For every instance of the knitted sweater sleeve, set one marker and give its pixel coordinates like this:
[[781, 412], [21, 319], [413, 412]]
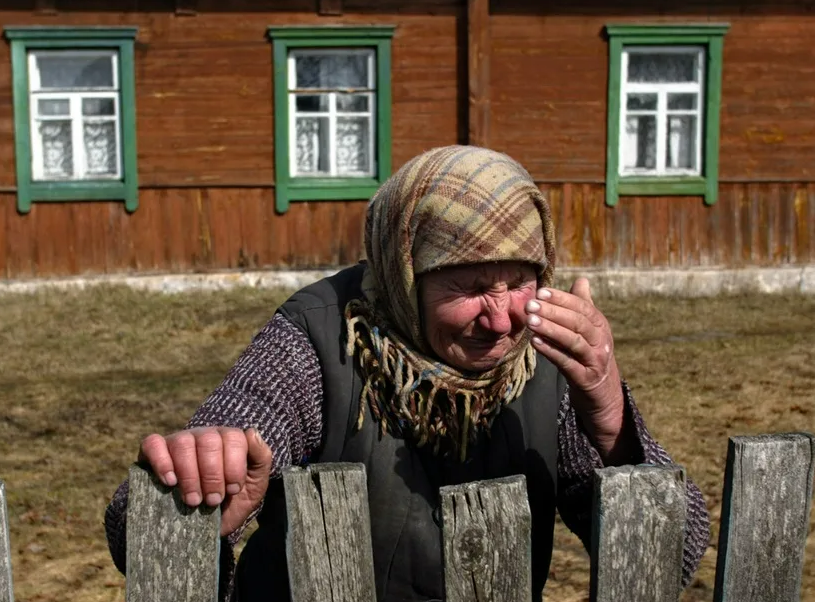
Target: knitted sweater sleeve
[[577, 459], [276, 387]]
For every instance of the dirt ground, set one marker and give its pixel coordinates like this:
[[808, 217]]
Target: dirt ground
[[85, 375]]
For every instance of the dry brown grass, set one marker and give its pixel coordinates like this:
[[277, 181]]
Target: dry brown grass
[[83, 376]]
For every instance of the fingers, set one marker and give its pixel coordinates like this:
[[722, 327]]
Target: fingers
[[235, 447], [563, 361], [154, 451], [206, 463], [258, 464], [572, 333], [209, 449], [588, 327], [182, 448], [573, 338], [582, 289], [578, 299], [259, 455]]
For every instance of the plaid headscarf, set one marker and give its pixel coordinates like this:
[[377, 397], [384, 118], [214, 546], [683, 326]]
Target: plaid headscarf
[[450, 206]]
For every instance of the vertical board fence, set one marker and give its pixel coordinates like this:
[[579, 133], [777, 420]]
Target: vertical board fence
[[637, 535], [487, 535], [638, 521], [329, 534], [765, 518], [6, 589]]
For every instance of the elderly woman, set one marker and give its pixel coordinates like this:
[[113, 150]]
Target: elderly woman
[[446, 357]]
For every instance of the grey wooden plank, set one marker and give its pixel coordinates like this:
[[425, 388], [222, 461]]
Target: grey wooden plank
[[172, 549], [765, 518], [6, 583], [638, 530], [328, 540], [486, 532]]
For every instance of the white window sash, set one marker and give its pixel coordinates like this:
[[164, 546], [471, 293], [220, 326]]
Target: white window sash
[[77, 120], [332, 114], [662, 113], [332, 132], [642, 88]]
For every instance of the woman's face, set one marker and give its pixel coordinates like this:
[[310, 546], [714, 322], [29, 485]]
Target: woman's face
[[473, 315]]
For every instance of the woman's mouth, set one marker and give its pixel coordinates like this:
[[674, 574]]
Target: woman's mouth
[[483, 344]]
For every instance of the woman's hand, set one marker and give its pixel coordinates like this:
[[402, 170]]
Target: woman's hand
[[214, 465], [575, 336]]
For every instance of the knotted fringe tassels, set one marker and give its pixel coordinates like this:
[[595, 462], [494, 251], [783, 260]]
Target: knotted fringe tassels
[[408, 392]]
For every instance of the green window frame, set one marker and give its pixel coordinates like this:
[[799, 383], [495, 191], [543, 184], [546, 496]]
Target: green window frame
[[290, 188], [711, 38], [24, 39]]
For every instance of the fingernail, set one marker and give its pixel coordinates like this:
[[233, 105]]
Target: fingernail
[[533, 320], [544, 293], [233, 489], [193, 499], [170, 479], [537, 340], [533, 306], [213, 499]]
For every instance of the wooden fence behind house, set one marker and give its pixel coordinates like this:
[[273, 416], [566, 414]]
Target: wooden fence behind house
[[637, 534]]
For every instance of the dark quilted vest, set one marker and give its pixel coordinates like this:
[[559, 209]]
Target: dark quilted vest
[[403, 480]]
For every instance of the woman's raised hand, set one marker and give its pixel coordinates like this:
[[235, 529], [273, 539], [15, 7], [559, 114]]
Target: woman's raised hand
[[576, 337]]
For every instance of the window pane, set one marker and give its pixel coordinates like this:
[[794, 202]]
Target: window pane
[[640, 144], [340, 70], [662, 67], [75, 71], [312, 103], [100, 148], [49, 107], [642, 102], [681, 145], [57, 154], [682, 102], [98, 107], [353, 139], [352, 103], [312, 145]]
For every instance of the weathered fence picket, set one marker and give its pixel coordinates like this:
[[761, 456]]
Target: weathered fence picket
[[638, 530], [172, 549], [329, 534], [765, 518], [6, 586], [638, 534], [487, 536]]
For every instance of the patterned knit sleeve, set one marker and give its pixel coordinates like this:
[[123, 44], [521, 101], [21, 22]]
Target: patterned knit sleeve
[[276, 387], [577, 459]]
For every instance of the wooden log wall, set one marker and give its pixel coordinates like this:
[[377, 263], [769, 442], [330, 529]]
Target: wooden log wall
[[207, 229], [205, 140], [550, 78], [205, 137]]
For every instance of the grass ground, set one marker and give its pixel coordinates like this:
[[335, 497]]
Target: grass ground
[[85, 375]]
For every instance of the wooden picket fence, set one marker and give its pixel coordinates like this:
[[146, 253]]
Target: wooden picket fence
[[637, 535]]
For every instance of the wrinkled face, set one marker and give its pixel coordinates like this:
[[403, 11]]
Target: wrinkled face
[[473, 315]]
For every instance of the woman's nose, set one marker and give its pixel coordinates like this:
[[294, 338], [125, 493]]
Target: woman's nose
[[495, 316]]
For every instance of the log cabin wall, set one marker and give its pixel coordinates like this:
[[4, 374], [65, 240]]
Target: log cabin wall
[[205, 141], [206, 155], [549, 109]]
